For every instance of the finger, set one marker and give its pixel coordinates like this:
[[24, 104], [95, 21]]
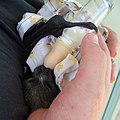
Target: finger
[[112, 73], [93, 61], [112, 42], [108, 60], [104, 47]]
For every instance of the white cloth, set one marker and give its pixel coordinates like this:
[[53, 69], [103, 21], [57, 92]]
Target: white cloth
[[66, 70], [67, 8], [42, 48], [28, 20]]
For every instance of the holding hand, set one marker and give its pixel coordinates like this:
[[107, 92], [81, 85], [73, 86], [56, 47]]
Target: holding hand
[[112, 43], [86, 95]]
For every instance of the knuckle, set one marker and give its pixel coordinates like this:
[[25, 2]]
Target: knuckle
[[98, 52]]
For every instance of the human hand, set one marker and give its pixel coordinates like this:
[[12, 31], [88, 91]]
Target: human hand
[[99, 65], [112, 43], [84, 97]]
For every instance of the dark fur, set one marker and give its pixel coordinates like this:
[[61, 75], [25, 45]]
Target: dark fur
[[40, 90]]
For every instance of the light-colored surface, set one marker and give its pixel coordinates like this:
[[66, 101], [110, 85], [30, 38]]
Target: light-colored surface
[[113, 107], [113, 19], [118, 116]]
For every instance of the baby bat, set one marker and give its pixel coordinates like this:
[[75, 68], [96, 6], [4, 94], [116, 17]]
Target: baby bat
[[40, 89]]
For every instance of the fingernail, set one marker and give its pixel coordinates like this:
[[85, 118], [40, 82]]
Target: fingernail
[[115, 56], [113, 80], [93, 38]]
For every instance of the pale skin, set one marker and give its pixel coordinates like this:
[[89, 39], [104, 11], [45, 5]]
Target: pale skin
[[84, 98]]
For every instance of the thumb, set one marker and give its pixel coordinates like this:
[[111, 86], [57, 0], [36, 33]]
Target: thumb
[[93, 59], [92, 51], [89, 44]]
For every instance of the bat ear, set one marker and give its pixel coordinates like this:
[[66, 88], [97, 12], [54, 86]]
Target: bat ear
[[38, 70], [44, 74]]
